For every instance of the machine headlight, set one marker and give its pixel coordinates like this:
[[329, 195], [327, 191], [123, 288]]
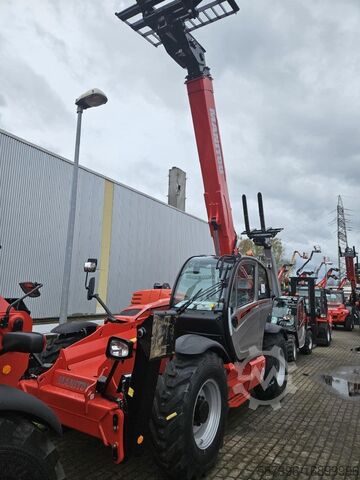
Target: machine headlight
[[119, 348]]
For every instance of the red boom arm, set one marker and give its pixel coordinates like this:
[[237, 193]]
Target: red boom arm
[[202, 104]]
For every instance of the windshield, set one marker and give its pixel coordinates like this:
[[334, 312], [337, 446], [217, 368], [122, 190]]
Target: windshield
[[282, 311], [199, 273], [334, 298]]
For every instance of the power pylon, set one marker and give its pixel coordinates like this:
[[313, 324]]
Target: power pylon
[[341, 235]]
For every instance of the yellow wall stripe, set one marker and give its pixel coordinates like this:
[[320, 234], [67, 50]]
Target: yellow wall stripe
[[105, 242]]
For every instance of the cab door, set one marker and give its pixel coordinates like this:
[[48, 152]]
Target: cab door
[[249, 306]]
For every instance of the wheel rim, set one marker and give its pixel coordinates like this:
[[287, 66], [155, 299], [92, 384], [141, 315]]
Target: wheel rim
[[310, 342], [294, 351], [206, 414]]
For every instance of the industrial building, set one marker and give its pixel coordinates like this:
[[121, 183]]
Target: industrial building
[[137, 239]]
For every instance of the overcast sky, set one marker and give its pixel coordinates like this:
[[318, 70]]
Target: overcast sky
[[287, 85]]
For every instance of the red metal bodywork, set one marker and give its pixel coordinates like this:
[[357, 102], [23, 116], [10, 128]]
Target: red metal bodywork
[[69, 386], [207, 133], [338, 314], [13, 364]]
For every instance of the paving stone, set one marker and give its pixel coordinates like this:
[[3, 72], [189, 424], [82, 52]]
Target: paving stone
[[315, 434]]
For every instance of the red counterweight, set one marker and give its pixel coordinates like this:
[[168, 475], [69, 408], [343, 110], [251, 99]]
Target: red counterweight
[[203, 110]]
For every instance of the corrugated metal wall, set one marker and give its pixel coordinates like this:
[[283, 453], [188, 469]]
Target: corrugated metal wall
[[148, 239]]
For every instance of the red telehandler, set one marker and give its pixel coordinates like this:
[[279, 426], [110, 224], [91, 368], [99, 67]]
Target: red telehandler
[[177, 363], [345, 312]]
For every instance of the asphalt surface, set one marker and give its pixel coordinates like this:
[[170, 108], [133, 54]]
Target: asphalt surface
[[314, 434]]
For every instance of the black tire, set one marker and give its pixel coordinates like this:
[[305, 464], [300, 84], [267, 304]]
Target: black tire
[[326, 340], [291, 349], [52, 351], [275, 377], [180, 413], [349, 323], [26, 453], [309, 343]]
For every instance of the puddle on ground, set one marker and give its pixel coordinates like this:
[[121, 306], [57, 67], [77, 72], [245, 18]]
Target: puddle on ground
[[344, 381]]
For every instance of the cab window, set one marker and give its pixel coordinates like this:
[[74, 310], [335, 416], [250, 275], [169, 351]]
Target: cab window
[[243, 288]]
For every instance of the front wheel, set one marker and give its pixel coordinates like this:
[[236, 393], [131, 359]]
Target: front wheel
[[291, 349], [26, 453], [189, 415], [349, 323]]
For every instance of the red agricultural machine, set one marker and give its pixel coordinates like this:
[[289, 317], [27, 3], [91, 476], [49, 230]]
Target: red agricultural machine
[[170, 365], [319, 318], [341, 315], [345, 311]]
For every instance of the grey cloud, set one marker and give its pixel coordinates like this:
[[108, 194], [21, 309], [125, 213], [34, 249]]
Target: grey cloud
[[39, 102], [57, 45], [286, 83]]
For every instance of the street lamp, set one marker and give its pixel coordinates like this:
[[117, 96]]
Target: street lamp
[[92, 98]]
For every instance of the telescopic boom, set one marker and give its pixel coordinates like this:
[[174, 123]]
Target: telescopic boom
[[170, 25]]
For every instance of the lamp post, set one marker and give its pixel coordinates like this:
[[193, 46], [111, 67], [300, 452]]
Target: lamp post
[[92, 98]]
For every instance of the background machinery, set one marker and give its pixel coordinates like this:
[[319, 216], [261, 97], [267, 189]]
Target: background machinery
[[299, 271], [177, 363], [285, 270], [319, 319], [290, 313]]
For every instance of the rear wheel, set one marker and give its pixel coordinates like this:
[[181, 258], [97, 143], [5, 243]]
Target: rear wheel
[[26, 453], [308, 346], [324, 337], [189, 415], [275, 376], [291, 349]]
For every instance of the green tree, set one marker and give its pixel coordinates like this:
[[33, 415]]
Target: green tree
[[247, 245]]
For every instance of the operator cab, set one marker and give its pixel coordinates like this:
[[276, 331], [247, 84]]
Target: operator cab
[[335, 298], [226, 299], [320, 300], [284, 311]]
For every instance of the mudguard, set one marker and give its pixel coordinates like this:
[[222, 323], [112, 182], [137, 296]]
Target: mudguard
[[271, 328], [74, 327], [13, 400], [191, 344]]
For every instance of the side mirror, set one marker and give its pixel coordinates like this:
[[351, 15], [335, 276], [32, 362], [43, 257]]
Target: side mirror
[[90, 265], [31, 289], [91, 288]]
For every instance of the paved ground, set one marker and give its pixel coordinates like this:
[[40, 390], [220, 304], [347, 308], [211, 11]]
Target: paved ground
[[315, 434]]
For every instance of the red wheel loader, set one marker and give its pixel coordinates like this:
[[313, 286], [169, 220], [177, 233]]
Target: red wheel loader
[[169, 367]]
